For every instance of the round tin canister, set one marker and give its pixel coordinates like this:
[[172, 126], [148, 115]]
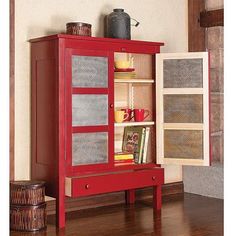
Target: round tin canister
[[79, 28], [27, 192], [28, 218]]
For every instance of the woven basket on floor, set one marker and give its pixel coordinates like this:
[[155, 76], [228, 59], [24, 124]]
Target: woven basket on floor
[[27, 206]]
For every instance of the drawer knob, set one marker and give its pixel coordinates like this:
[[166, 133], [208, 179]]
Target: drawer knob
[[87, 186], [111, 105], [123, 49], [153, 178]]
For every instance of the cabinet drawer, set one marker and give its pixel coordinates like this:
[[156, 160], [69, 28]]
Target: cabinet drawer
[[89, 185]]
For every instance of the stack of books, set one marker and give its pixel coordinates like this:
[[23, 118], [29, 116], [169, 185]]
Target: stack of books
[[136, 140], [124, 158], [128, 73]]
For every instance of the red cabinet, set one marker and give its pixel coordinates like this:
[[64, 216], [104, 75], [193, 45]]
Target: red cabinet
[[75, 91]]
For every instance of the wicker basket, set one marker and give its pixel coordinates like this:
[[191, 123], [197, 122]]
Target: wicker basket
[[27, 192], [28, 218], [27, 206]]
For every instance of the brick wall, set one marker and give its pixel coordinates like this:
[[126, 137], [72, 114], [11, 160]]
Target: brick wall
[[215, 45]]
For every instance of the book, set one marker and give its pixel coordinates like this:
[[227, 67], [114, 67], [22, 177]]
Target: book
[[140, 156], [132, 141], [145, 147], [123, 156], [129, 161], [124, 162]]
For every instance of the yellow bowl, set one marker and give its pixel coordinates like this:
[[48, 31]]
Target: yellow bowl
[[122, 64]]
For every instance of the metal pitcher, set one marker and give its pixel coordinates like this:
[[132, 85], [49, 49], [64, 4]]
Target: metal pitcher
[[119, 24]]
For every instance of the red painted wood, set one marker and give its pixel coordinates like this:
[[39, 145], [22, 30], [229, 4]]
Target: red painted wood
[[101, 169], [68, 112], [130, 196], [44, 126], [85, 186], [154, 95], [108, 44], [60, 202], [100, 128], [89, 129], [52, 130], [45, 73], [111, 109], [97, 39], [113, 46], [157, 201], [90, 91]]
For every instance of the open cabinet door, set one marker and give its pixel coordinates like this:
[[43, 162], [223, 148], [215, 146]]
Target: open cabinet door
[[182, 100]]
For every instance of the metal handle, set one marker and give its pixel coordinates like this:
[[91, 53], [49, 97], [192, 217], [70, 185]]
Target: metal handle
[[136, 24]]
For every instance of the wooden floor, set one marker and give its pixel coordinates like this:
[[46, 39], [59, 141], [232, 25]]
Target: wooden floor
[[182, 215]]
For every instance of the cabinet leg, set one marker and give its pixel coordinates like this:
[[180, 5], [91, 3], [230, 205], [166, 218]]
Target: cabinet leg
[[157, 197], [60, 212], [130, 196], [60, 203]]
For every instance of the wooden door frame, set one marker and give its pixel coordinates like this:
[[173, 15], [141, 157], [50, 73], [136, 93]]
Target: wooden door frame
[[12, 90], [198, 20], [196, 34]]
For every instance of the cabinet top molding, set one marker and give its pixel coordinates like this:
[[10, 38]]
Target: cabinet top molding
[[95, 39]]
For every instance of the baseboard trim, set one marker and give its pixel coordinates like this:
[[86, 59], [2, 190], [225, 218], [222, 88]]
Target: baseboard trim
[[74, 204]]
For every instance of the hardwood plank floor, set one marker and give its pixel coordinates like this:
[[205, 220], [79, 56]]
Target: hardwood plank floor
[[181, 215]]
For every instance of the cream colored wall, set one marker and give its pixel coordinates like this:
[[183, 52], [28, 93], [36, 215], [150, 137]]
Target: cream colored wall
[[161, 20]]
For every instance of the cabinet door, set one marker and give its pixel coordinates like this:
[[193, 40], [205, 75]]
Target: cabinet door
[[182, 113], [89, 109]]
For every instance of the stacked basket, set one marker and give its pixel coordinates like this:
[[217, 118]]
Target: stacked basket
[[27, 205]]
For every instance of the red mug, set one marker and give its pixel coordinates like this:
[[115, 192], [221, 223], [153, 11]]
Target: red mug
[[139, 114], [129, 112]]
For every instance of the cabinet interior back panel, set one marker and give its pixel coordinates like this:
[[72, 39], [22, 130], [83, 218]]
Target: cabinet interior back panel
[[183, 73], [151, 150], [118, 138], [121, 95], [143, 98], [89, 71], [143, 66], [183, 144], [89, 148], [183, 108]]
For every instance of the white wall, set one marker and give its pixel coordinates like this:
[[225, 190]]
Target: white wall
[[160, 20]]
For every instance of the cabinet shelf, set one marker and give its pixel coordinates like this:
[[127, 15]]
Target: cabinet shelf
[[144, 81], [144, 123]]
